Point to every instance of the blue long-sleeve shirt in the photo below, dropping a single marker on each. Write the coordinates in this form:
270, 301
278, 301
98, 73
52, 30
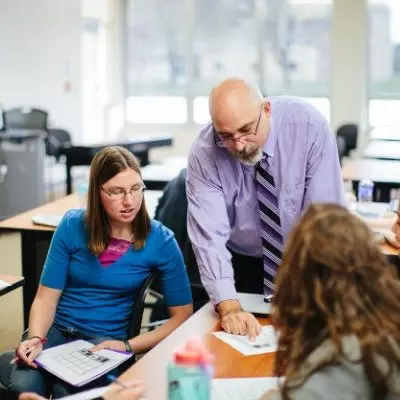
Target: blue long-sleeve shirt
98, 301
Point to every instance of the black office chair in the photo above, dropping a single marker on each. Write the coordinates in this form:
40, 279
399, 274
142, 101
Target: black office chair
135, 327
57, 139
171, 211
25, 118
341, 146
349, 132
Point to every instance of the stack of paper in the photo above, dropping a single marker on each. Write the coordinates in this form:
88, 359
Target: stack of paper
265, 342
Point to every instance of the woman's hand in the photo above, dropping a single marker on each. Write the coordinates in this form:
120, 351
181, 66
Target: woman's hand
134, 391
28, 350
118, 345
30, 396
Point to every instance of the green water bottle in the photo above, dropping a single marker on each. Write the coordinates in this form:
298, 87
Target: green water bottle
190, 372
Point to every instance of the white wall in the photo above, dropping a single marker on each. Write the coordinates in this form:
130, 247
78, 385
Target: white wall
40, 42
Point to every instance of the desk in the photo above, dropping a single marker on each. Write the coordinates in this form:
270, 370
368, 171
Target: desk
383, 150
13, 281
384, 173
35, 239
157, 176
83, 154
152, 367
385, 133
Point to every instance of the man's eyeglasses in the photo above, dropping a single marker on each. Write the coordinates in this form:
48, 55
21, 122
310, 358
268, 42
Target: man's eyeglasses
222, 141
120, 194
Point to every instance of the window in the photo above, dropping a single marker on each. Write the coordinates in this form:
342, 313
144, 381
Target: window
296, 47
156, 61
283, 46
384, 68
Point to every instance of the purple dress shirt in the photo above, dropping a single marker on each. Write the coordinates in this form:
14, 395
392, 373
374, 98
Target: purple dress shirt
222, 201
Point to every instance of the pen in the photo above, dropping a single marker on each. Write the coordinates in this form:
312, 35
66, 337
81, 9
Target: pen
114, 379
29, 349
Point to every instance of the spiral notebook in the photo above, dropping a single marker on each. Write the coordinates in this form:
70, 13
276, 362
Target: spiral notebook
75, 364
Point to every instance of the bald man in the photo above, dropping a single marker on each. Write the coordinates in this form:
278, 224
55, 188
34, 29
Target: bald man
252, 172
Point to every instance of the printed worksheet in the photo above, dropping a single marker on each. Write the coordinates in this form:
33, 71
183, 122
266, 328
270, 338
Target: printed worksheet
265, 342
74, 363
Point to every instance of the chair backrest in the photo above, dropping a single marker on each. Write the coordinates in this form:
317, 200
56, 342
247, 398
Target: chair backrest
138, 306
341, 146
56, 140
349, 132
25, 118
171, 211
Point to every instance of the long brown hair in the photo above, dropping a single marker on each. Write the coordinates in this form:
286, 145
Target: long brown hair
107, 163
335, 281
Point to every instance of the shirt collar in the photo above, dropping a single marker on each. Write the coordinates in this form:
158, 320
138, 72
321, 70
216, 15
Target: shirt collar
270, 144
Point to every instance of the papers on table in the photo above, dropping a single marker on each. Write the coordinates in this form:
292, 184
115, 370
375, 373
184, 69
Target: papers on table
47, 219
3, 284
265, 342
242, 388
87, 394
75, 364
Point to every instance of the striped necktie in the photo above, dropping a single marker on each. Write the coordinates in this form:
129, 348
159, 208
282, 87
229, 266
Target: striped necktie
271, 230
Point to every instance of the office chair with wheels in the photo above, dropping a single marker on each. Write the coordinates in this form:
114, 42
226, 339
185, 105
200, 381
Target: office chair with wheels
349, 132
25, 118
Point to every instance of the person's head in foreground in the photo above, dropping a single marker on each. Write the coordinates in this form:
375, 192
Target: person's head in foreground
337, 301
115, 198
241, 119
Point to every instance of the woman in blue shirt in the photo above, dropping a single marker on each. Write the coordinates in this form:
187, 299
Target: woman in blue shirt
97, 261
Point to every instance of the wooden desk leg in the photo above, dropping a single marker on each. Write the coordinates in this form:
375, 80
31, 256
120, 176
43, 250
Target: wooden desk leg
68, 180
34, 245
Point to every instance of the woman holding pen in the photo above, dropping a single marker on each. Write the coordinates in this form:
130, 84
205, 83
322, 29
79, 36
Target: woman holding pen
97, 261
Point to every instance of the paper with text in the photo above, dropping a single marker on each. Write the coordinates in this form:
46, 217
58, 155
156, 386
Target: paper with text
265, 342
75, 364
242, 388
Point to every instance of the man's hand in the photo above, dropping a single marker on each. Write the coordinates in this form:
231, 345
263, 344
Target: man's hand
396, 231
235, 320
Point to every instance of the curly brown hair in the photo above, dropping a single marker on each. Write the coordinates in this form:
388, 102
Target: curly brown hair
335, 281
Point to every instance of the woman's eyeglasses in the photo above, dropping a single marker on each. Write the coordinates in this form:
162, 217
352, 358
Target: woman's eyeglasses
120, 194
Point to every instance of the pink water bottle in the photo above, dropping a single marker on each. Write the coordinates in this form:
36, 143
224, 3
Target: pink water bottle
190, 372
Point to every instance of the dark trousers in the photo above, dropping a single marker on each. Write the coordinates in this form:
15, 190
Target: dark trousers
248, 272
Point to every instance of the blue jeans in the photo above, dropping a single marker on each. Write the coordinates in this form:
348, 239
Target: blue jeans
26, 379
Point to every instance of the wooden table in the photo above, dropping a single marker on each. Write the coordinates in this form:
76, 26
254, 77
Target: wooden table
229, 363
35, 239
13, 281
384, 173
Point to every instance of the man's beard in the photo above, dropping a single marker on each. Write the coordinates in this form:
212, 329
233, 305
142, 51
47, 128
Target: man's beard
250, 155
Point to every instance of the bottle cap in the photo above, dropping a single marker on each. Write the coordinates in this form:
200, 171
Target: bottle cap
193, 351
